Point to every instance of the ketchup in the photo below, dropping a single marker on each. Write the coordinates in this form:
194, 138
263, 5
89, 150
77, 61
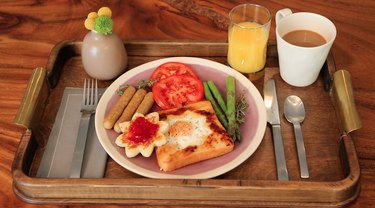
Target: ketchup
141, 131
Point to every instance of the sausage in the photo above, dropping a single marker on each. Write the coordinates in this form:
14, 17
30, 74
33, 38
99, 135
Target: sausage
116, 111
146, 104
130, 109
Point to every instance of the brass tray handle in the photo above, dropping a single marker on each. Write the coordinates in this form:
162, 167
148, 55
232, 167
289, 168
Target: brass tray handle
34, 96
344, 99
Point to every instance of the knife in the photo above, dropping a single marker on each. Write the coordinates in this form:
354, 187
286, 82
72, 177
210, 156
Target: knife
272, 108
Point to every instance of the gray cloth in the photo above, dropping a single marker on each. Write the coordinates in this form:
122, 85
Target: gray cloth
58, 154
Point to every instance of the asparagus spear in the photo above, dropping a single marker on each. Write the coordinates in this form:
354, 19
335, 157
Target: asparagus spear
220, 115
240, 105
217, 95
231, 105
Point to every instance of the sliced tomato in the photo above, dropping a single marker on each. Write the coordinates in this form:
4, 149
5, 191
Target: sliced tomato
172, 68
177, 91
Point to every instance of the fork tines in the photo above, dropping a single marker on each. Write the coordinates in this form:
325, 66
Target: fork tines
90, 90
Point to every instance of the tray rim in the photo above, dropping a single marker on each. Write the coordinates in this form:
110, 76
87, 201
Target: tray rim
31, 190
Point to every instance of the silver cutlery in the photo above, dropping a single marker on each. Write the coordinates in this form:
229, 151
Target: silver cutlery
294, 112
88, 107
272, 108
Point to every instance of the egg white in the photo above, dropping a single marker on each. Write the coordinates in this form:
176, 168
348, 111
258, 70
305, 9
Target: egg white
199, 133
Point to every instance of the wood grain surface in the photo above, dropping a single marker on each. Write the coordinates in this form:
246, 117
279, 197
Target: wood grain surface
30, 29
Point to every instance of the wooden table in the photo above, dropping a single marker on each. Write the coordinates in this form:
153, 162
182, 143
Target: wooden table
30, 29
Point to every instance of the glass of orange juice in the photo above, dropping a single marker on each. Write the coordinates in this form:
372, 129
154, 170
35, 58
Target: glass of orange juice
249, 26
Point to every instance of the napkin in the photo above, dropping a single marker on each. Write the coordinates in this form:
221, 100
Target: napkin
58, 155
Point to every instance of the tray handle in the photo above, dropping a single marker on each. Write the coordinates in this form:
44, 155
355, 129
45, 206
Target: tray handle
35, 95
344, 100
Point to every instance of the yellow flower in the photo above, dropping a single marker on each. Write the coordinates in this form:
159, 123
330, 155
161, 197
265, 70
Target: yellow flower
105, 11
89, 23
101, 21
92, 15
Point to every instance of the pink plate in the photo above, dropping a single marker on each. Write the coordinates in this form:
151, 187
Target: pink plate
252, 130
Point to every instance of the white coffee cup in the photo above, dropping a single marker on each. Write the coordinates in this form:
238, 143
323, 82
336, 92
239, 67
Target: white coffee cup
300, 66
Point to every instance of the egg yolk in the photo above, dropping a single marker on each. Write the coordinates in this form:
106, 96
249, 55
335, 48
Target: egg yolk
181, 128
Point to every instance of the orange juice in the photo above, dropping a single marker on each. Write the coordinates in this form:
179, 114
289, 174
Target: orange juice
247, 46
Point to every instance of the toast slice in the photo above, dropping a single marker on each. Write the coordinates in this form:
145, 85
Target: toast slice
195, 134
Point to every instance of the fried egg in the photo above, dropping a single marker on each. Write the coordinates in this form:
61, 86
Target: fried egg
142, 134
187, 129
195, 134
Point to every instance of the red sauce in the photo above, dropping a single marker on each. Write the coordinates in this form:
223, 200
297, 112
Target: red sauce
141, 131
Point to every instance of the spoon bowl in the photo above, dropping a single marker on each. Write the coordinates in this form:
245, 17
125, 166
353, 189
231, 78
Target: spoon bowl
294, 112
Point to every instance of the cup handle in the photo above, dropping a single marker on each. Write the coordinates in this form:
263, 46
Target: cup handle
282, 13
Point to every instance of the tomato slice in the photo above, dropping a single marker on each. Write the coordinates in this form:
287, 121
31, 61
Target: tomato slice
177, 91
172, 68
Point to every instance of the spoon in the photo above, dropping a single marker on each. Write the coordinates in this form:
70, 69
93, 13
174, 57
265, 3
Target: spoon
294, 112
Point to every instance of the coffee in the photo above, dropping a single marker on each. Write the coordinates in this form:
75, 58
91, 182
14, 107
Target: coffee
304, 38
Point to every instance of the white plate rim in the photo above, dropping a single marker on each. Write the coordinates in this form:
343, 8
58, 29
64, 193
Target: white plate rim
121, 160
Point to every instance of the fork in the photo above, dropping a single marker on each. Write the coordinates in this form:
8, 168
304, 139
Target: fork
88, 107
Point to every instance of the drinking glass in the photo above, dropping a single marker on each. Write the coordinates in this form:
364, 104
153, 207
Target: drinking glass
249, 26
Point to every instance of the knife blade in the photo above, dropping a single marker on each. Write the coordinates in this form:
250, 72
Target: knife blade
273, 118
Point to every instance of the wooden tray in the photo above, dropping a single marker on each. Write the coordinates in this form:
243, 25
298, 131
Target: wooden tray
331, 155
